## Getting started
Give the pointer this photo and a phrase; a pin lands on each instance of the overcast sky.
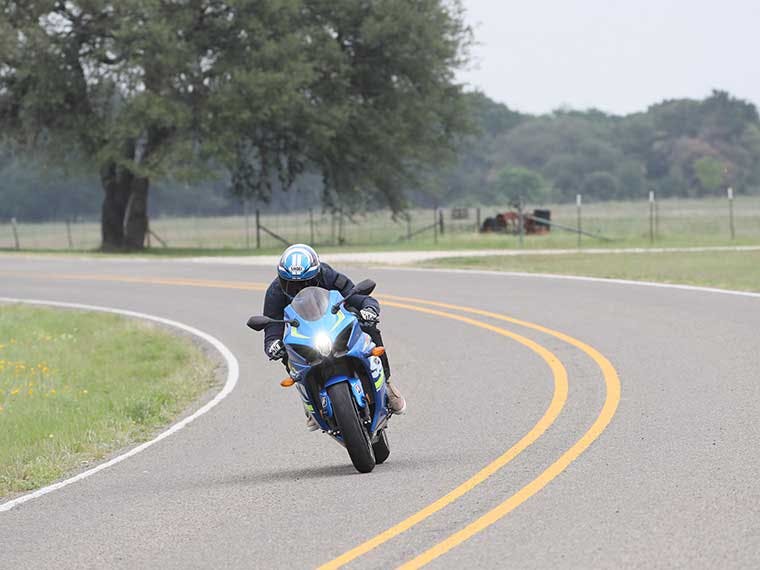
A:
(616, 55)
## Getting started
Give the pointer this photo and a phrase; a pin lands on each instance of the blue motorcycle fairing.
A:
(301, 342)
(303, 336)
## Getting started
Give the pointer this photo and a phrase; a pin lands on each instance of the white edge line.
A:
(233, 373)
(577, 278)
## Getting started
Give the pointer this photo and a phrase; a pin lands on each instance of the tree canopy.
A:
(361, 92)
(352, 101)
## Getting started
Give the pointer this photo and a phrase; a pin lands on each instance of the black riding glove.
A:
(276, 350)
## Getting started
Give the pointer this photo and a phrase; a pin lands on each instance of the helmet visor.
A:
(292, 288)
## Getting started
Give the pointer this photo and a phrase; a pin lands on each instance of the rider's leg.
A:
(396, 401)
(377, 338)
(311, 423)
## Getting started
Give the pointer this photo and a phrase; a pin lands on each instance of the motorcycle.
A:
(337, 370)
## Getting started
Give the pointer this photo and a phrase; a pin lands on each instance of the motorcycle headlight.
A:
(323, 344)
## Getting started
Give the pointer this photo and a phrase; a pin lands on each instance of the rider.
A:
(300, 267)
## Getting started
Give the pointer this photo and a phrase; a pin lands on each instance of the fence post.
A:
(656, 218)
(477, 220)
(730, 192)
(408, 226)
(68, 233)
(435, 225)
(247, 217)
(578, 204)
(15, 233)
(258, 229)
(311, 226)
(651, 217)
(341, 227)
(521, 222)
(440, 222)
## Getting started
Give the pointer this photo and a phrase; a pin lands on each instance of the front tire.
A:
(380, 448)
(354, 435)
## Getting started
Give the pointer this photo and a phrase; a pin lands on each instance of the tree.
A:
(601, 186)
(514, 183)
(632, 182)
(725, 117)
(709, 172)
(358, 91)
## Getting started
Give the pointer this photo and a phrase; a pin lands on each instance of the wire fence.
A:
(659, 222)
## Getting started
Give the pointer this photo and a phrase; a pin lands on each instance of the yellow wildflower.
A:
(31, 392)
(52, 392)
(15, 392)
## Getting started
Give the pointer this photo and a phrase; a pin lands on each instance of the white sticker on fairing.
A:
(376, 367)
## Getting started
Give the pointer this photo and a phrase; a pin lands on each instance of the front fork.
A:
(324, 419)
(357, 390)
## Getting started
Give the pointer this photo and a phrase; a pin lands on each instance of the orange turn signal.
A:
(288, 382)
(378, 351)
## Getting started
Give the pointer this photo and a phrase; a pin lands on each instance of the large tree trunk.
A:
(136, 216)
(124, 215)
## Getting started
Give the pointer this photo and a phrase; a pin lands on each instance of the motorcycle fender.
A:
(356, 389)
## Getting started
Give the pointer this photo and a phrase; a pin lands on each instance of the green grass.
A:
(458, 243)
(76, 386)
(728, 270)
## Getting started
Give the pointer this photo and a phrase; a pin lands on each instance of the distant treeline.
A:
(679, 148)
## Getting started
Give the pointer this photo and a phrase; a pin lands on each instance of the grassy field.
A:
(76, 386)
(728, 270)
(679, 223)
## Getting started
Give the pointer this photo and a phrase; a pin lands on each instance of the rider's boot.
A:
(396, 401)
(311, 423)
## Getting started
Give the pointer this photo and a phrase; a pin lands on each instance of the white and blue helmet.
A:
(298, 268)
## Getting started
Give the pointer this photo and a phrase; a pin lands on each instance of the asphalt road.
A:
(672, 481)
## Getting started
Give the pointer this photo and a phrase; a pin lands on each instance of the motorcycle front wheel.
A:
(381, 448)
(354, 435)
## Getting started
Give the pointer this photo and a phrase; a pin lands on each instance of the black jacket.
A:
(275, 300)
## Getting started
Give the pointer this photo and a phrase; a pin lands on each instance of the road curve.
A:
(671, 481)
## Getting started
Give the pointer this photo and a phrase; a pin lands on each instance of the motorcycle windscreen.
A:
(311, 303)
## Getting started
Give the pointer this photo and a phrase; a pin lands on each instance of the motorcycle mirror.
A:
(362, 288)
(258, 323)
(365, 287)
